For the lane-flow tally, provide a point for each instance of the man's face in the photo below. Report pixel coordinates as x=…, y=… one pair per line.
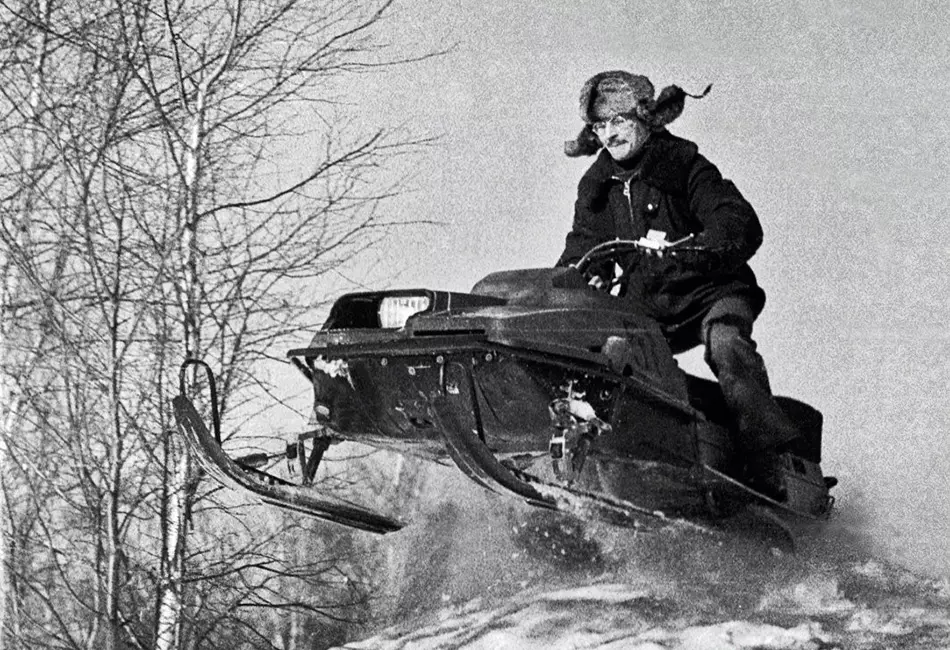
x=621, y=135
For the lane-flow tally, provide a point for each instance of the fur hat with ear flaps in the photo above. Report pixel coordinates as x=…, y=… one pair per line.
x=617, y=92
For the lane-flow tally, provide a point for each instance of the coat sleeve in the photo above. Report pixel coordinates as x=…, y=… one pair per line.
x=729, y=223
x=588, y=228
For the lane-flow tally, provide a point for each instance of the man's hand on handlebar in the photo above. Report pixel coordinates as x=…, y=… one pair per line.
x=689, y=252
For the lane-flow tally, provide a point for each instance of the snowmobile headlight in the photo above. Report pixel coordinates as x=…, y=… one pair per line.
x=394, y=311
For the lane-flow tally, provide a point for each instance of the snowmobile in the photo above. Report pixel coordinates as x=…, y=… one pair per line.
x=534, y=384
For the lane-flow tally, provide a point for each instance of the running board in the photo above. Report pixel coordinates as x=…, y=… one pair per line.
x=268, y=488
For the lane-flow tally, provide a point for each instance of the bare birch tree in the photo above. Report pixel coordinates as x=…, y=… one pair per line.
x=148, y=136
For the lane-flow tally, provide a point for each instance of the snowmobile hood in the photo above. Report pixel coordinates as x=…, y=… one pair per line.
x=548, y=314
x=550, y=310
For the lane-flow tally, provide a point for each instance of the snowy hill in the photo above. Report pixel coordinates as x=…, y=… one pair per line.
x=565, y=585
x=811, y=614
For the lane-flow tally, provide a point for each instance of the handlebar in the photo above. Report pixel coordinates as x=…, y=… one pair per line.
x=643, y=245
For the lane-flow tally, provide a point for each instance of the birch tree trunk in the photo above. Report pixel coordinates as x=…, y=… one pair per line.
x=180, y=494
x=16, y=217
x=177, y=513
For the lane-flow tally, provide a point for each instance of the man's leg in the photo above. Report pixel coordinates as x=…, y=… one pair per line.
x=763, y=427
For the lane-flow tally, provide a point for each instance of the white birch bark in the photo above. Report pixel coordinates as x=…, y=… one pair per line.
x=17, y=218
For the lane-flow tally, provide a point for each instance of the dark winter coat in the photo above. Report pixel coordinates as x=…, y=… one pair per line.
x=672, y=188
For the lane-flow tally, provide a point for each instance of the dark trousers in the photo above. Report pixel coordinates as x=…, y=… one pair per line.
x=732, y=356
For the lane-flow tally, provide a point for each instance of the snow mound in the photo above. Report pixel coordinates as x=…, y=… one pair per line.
x=670, y=592
x=812, y=614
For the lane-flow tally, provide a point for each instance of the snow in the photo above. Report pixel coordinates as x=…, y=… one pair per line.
x=676, y=593
x=536, y=625
x=740, y=634
x=620, y=616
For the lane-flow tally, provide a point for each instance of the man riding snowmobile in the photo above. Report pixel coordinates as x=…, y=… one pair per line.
x=536, y=386
x=648, y=183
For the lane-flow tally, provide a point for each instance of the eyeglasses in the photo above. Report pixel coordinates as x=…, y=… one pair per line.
x=616, y=121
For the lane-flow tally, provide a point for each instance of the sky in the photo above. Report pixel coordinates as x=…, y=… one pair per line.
x=830, y=116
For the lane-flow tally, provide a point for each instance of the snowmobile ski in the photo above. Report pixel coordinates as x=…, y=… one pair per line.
x=266, y=487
